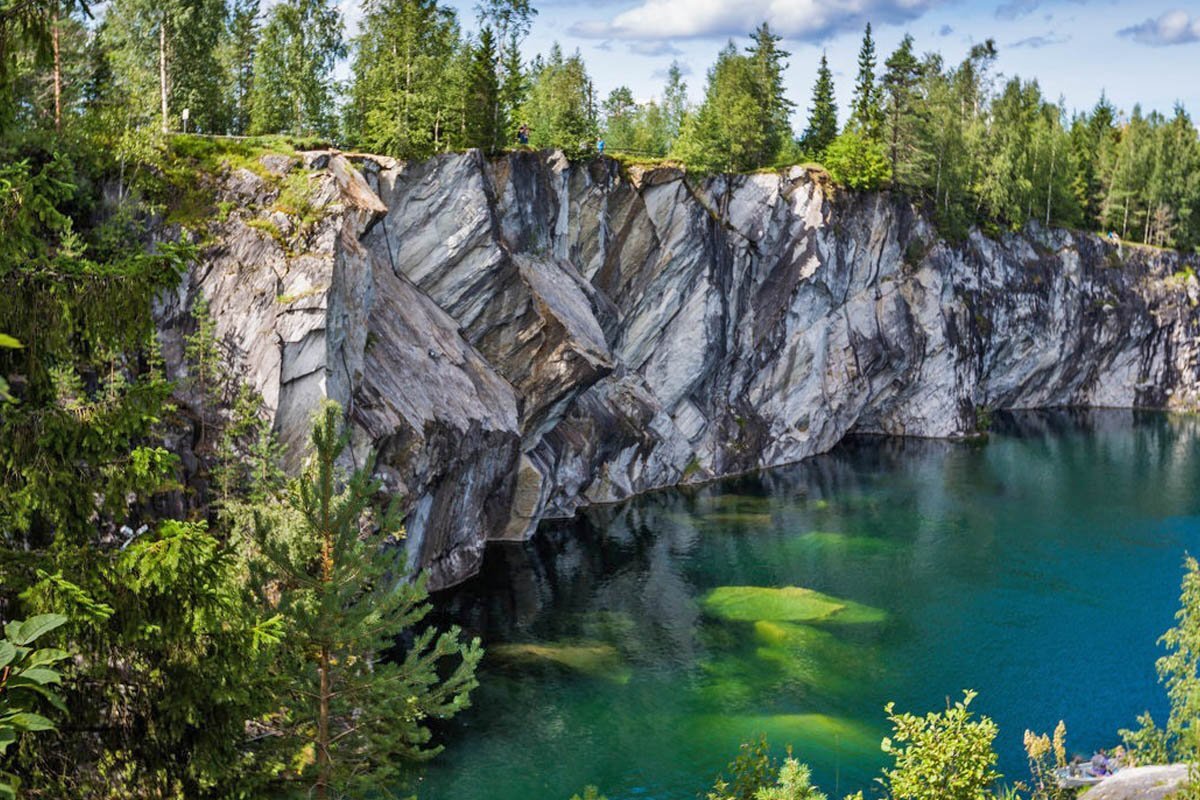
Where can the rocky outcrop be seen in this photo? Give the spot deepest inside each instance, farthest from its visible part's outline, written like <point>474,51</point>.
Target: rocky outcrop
<point>519,337</point>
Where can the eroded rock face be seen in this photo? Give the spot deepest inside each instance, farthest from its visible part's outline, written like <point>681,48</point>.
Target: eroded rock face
<point>520,337</point>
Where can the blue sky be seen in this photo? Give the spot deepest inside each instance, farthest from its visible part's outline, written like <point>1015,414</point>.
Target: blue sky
<point>1146,51</point>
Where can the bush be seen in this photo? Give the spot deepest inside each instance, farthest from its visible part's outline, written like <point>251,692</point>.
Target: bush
<point>857,161</point>
<point>941,756</point>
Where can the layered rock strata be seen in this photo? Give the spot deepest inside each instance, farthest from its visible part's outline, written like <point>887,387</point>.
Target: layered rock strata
<point>519,337</point>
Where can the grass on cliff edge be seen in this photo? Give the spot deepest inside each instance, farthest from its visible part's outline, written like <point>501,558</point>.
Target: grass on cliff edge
<point>189,162</point>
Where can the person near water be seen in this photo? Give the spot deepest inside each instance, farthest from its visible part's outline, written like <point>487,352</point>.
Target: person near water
<point>1100,766</point>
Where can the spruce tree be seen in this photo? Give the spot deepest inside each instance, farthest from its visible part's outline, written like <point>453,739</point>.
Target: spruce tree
<point>342,592</point>
<point>899,82</point>
<point>769,63</point>
<point>514,86</point>
<point>822,116</point>
<point>865,111</point>
<point>483,96</point>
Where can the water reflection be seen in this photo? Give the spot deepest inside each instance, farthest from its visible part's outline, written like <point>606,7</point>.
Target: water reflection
<point>1039,567</point>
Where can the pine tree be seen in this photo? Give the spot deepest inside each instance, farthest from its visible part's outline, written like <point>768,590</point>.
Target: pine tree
<point>511,21</point>
<point>899,82</point>
<point>822,116</point>
<point>514,87</point>
<point>483,96</point>
<point>345,602</point>
<point>293,69</point>
<point>769,64</point>
<point>865,110</point>
<point>165,59</point>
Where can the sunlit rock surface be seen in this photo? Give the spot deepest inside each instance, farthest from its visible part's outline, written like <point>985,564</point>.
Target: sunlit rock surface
<point>522,336</point>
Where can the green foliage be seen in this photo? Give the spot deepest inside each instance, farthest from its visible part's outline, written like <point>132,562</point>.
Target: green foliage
<point>589,793</point>
<point>28,680</point>
<point>866,113</point>
<point>822,116</point>
<point>743,123</point>
<point>1148,744</point>
<point>1179,671</point>
<point>941,756</point>
<point>794,783</point>
<point>293,67</point>
<point>409,87</point>
<point>333,574</point>
<point>170,609</point>
<point>482,120</point>
<point>559,108</point>
<point>855,160</point>
<point>751,770</point>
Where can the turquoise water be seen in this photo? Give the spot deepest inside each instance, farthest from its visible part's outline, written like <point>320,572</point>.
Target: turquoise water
<point>1038,568</point>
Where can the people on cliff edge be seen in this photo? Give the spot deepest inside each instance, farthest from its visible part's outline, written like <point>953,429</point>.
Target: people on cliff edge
<point>523,135</point>
<point>1100,766</point>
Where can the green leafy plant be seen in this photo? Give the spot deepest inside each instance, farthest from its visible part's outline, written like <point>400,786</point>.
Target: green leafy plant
<point>946,755</point>
<point>794,783</point>
<point>752,769</point>
<point>28,678</point>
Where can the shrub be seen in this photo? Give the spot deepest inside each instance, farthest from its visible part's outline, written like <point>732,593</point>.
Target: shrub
<point>941,756</point>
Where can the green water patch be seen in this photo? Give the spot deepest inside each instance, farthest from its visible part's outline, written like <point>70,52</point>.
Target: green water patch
<point>814,658</point>
<point>594,659</point>
<point>826,543</point>
<point>808,733</point>
<point>786,604</point>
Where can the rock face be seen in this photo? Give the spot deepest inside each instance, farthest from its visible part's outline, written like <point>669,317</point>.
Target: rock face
<point>519,337</point>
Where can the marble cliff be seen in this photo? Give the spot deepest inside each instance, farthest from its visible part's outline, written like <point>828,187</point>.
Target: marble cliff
<point>519,337</point>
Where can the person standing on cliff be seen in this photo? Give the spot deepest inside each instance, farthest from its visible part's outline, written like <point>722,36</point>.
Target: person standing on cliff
<point>523,135</point>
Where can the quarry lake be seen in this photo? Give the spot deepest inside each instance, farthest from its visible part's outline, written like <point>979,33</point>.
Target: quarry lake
<point>634,647</point>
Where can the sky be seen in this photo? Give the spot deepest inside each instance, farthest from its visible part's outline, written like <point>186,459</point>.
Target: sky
<point>1145,51</point>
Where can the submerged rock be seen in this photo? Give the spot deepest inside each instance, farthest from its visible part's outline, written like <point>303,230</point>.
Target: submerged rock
<point>787,604</point>
<point>523,336</point>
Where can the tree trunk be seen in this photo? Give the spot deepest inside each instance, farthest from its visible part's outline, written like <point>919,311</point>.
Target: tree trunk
<point>1050,187</point>
<point>162,69</point>
<point>57,70</point>
<point>324,762</point>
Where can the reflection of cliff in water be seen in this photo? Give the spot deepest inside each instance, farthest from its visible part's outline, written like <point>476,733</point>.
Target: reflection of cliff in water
<point>634,556</point>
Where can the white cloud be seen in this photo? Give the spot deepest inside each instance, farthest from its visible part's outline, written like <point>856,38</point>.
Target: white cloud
<point>1038,42</point>
<point>796,19</point>
<point>645,47</point>
<point>1173,27</point>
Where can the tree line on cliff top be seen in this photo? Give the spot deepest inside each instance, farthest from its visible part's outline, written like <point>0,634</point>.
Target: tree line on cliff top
<point>973,147</point>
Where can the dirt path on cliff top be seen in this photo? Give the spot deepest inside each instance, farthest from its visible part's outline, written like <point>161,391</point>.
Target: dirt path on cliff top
<point>1140,783</point>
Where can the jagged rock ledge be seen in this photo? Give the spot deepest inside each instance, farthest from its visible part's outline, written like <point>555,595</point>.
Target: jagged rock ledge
<point>521,336</point>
